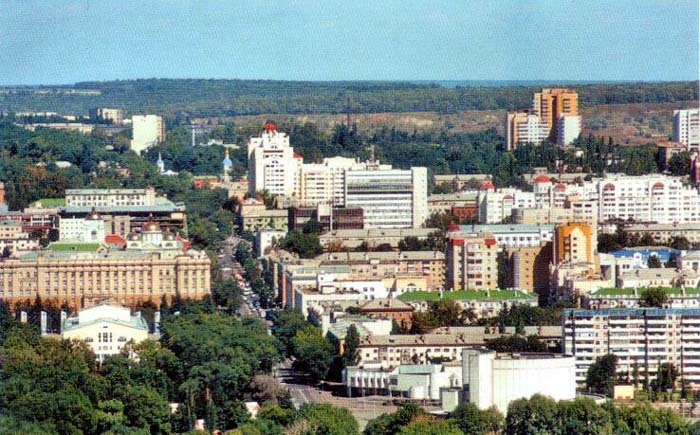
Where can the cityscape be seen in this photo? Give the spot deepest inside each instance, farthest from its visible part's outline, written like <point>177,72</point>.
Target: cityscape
<point>294,247</point>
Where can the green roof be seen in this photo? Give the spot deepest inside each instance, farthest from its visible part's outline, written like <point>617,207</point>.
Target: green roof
<point>60,246</point>
<point>50,202</point>
<point>463,294</point>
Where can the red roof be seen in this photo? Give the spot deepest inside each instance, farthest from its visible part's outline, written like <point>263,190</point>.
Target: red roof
<point>658,185</point>
<point>456,242</point>
<point>541,179</point>
<point>487,185</point>
<point>609,186</point>
<point>490,242</point>
<point>559,186</point>
<point>114,239</point>
<point>269,126</point>
<point>298,156</point>
<point>452,227</point>
<point>509,196</point>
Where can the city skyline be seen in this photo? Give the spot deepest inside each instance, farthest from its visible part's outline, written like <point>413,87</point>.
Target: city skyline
<point>540,41</point>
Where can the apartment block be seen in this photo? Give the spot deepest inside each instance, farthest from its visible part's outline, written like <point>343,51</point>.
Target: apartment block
<point>147,131</point>
<point>471,261</point>
<point>686,128</point>
<point>642,339</point>
<point>524,128</point>
<point>551,104</point>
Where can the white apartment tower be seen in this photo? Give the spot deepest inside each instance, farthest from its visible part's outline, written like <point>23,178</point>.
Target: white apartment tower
<point>686,128</point>
<point>568,129</point>
<point>272,163</point>
<point>147,131</point>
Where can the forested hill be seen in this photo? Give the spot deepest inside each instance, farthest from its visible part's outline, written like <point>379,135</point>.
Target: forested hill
<point>249,97</point>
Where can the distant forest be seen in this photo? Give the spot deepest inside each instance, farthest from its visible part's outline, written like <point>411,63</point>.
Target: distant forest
<point>192,97</point>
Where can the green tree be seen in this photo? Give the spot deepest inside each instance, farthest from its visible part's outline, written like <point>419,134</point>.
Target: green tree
<point>314,354</point>
<point>428,425</point>
<point>392,423</point>
<point>352,343</point>
<point>328,419</point>
<point>286,324</point>
<point>473,421</point>
<point>654,297</point>
<point>679,164</point>
<point>583,416</point>
<point>600,378</point>
<point>653,262</point>
<point>534,416</point>
<point>680,242</point>
<point>307,245</point>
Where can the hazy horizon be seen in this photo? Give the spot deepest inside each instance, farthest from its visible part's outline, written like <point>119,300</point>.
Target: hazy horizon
<point>545,41</point>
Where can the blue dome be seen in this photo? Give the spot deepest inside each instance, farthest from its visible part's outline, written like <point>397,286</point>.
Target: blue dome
<point>227,162</point>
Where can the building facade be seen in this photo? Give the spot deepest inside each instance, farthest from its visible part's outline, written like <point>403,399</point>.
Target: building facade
<point>686,128</point>
<point>147,131</point>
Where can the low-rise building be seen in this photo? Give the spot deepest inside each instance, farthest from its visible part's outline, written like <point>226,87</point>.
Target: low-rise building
<point>663,233</point>
<point>483,304</point>
<point>494,379</point>
<point>606,298</point>
<point>394,309</point>
<point>14,240</point>
<point>255,216</point>
<point>107,329</point>
<point>658,277</point>
<point>443,344</point>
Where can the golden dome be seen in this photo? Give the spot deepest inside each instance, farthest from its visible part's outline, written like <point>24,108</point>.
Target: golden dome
<point>151,227</point>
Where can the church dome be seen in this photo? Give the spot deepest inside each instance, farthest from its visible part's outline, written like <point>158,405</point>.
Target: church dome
<point>169,236</point>
<point>132,237</point>
<point>151,227</point>
<point>93,215</point>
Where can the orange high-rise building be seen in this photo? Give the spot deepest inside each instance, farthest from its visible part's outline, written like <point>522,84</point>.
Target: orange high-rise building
<point>573,243</point>
<point>552,103</point>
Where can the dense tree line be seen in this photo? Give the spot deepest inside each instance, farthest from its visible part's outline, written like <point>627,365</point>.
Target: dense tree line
<point>195,97</point>
<point>538,415</point>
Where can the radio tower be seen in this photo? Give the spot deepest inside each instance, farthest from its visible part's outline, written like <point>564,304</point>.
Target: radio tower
<point>193,135</point>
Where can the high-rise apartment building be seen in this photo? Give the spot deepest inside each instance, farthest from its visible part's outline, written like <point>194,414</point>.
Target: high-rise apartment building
<point>471,261</point>
<point>147,131</point>
<point>686,128</point>
<point>641,338</point>
<point>568,129</point>
<point>103,114</point>
<point>524,128</point>
<point>272,163</point>
<point>551,104</point>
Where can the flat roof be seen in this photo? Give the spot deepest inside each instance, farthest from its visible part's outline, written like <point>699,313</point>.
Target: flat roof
<point>506,228</point>
<point>464,295</point>
<point>634,312</point>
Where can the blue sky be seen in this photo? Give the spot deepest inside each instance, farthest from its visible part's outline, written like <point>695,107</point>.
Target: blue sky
<point>64,41</point>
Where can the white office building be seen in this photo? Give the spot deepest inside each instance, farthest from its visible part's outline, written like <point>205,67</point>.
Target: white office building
<point>496,206</point>
<point>147,131</point>
<point>686,128</point>
<point>390,198</point>
<point>322,183</point>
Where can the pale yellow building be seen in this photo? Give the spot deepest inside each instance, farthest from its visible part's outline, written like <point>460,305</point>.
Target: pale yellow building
<point>154,264</point>
<point>471,262</point>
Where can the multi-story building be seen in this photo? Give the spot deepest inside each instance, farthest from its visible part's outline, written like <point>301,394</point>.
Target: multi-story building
<point>88,229</point>
<point>461,181</point>
<point>255,216</point>
<point>153,265</point>
<point>512,235</point>
<point>524,128</point>
<point>663,233</point>
<point>147,131</point>
<point>384,351</point>
<point>483,304</point>
<point>529,267</point>
<point>111,116</point>
<point>471,261</point>
<point>606,298</point>
<point>430,264</point>
<point>324,183</point>
<point>642,339</point>
<point>372,238</point>
<point>110,197</point>
<point>390,198</point>
<point>107,329</point>
<point>551,104</point>
<point>573,243</point>
<point>14,240</point>
<point>686,128</point>
<point>272,164</point>
<point>343,218</point>
<point>496,206</point>
<point>122,211</point>
<point>568,129</point>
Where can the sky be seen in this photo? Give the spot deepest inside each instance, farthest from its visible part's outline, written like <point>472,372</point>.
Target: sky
<point>66,41</point>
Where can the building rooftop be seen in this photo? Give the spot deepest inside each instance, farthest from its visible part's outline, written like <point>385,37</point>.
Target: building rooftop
<point>105,312</point>
<point>466,335</point>
<point>156,208</point>
<point>387,256</point>
<point>74,246</point>
<point>464,295</point>
<point>633,312</point>
<point>651,273</point>
<point>674,291</point>
<point>379,233</point>
<point>385,304</point>
<point>505,228</point>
